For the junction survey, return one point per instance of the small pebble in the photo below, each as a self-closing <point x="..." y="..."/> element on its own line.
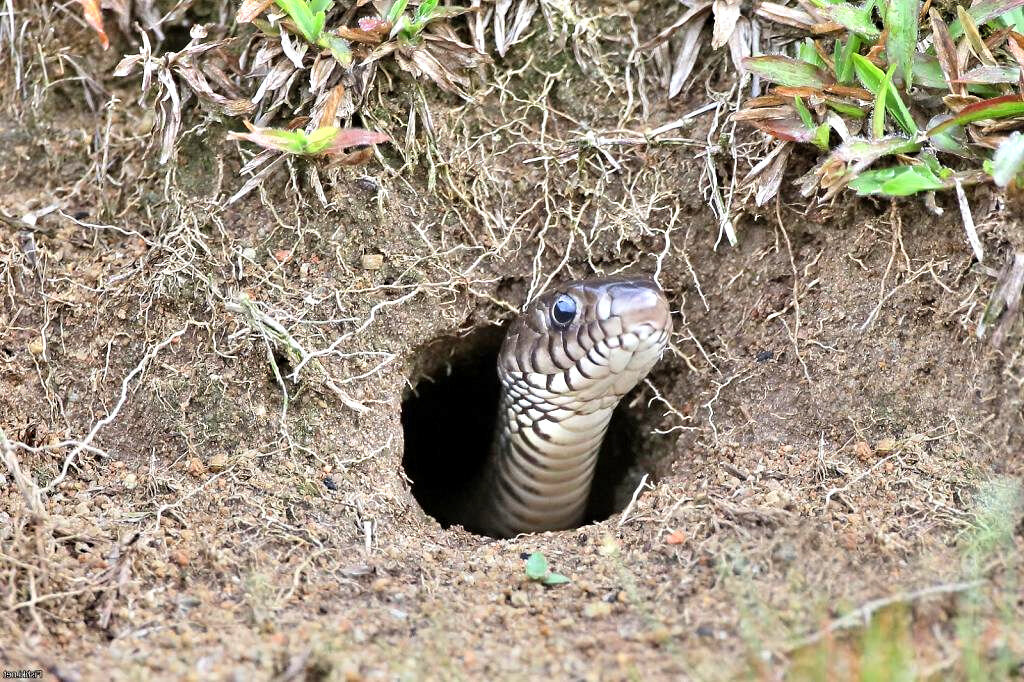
<point x="329" y="483"/>
<point x="372" y="261"/>
<point x="597" y="609"/>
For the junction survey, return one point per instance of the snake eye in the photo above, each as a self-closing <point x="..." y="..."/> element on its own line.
<point x="563" y="311"/>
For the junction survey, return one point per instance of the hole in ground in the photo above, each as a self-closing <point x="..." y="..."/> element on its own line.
<point x="449" y="417"/>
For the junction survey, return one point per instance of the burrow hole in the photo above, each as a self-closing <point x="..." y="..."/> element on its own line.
<point x="448" y="418"/>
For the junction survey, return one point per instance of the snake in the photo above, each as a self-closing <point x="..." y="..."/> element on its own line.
<point x="565" y="364"/>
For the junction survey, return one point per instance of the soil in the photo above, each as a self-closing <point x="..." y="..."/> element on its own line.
<point x="828" y="443"/>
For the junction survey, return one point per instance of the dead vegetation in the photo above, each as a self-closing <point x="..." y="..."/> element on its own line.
<point x="196" y="337"/>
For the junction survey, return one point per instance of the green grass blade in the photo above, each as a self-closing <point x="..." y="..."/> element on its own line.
<point x="807" y="53"/>
<point x="396" y="10"/>
<point x="804" y="112"/>
<point x="857" y="20"/>
<point x="878" y="117"/>
<point x="320" y="139"/>
<point x="300" y="13"/>
<point x="1009" y="106"/>
<point x="901" y="41"/>
<point x="787" y="71"/>
<point x="871" y="77"/>
<point x="844" y="65"/>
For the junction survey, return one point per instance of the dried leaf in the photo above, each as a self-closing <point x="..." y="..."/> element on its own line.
<point x="978" y="46"/>
<point x="790" y="16"/>
<point x="726" y="13"/>
<point x="741" y="44"/>
<point x="676" y="537"/>
<point x="992" y="75"/>
<point x="696" y="13"/>
<point x="689" y="49"/>
<point x="985" y="11"/>
<point x="946" y="52"/>
<point x="94" y="17"/>
<point x="251" y="9"/>
<point x="330" y="109"/>
<point x="355" y="137"/>
<point x="766" y="176"/>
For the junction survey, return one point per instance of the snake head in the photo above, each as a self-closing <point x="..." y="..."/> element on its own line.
<point x="586" y="343"/>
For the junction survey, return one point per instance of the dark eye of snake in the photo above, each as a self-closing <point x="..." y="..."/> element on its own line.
<point x="563" y="311"/>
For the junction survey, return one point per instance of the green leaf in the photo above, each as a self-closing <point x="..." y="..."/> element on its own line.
<point x="897" y="181"/>
<point x="320" y="5"/>
<point x="845" y="108"/>
<point x="806" y="52"/>
<point x="787" y="71"/>
<point x="878" y="117"/>
<point x="928" y="72"/>
<point x="300" y="13"/>
<point x="901" y="42"/>
<point x="339" y="47"/>
<point x="871" y="77"/>
<point x="844" y="65"/>
<point x="1008" y="162"/>
<point x="425" y="11"/>
<point x="1010" y="106"/>
<point x="857" y="20"/>
<point x="536" y="566"/>
<point x="803" y="111"/>
<point x="396" y="10"/>
<point x="555" y="579"/>
<point x="320" y="139"/>
<point x="821" y="134"/>
<point x="319" y="19"/>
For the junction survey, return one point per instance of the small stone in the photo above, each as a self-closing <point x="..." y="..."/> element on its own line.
<point x="598" y="609"/>
<point x="131" y="481"/>
<point x="862" y="450"/>
<point x="35" y="347"/>
<point x="218" y="462"/>
<point x="372" y="261"/>
<point x="772" y="498"/>
<point x="196" y="467"/>
<point x="659" y="635"/>
<point x="249" y="253"/>
<point x="519" y="599"/>
<point x="180" y="557"/>
<point x="885" y="446"/>
<point x="705" y="631"/>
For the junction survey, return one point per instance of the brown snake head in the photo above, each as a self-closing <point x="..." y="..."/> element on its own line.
<point x="587" y="343"/>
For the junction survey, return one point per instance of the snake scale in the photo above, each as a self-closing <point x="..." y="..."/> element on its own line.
<point x="565" y="364"/>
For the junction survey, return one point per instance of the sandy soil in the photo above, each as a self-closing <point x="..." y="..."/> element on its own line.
<point x="834" y="456"/>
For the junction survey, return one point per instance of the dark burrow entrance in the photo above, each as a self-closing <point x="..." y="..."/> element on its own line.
<point x="448" y="419"/>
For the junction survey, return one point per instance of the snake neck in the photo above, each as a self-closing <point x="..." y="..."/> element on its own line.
<point x="539" y="471"/>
